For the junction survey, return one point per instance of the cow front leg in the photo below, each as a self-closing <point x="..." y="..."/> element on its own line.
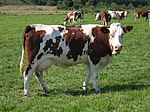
<point x="39" y="77"/>
<point x="88" y="74"/>
<point x="94" y="71"/>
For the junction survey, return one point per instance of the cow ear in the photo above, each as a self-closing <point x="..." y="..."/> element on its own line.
<point x="128" y="29"/>
<point x="105" y="30"/>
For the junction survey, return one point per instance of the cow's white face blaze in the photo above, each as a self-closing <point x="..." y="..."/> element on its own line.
<point x="97" y="16"/>
<point x="116" y="36"/>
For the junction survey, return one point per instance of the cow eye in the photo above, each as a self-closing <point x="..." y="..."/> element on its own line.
<point x="112" y="36"/>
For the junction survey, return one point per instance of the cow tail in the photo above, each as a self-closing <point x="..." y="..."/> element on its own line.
<point x="27" y="29"/>
<point x="22" y="56"/>
<point x="22" y="62"/>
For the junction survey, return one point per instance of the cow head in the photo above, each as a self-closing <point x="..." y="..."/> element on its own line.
<point x="98" y="16"/>
<point x="65" y="21"/>
<point x="116" y="36"/>
<point x="126" y="13"/>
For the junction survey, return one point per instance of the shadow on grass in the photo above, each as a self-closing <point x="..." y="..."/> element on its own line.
<point x="115" y="88"/>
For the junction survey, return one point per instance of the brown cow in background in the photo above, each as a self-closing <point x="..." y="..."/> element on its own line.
<point x="141" y="13"/>
<point x="73" y="16"/>
<point x="105" y="17"/>
<point x="149" y="18"/>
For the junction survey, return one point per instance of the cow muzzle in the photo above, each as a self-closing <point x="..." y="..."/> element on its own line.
<point x="117" y="49"/>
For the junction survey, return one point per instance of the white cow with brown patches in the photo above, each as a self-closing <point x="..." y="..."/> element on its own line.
<point x="149" y="18"/>
<point x="120" y="15"/>
<point x="74" y="16"/>
<point x="104" y="17"/>
<point x="92" y="45"/>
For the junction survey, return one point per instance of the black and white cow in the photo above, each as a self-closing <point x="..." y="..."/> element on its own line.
<point x="92" y="45"/>
<point x="120" y="15"/>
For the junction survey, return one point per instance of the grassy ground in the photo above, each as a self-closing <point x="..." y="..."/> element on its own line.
<point x="125" y="83"/>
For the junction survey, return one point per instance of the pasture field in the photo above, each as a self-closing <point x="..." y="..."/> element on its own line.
<point x="125" y="83"/>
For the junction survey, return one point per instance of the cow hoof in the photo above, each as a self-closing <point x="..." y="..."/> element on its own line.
<point x="25" y="96"/>
<point x="47" y="91"/>
<point x="94" y="91"/>
<point x="97" y="90"/>
<point x="84" y="88"/>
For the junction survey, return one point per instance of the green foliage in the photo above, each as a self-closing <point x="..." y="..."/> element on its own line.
<point x="68" y="3"/>
<point x="1" y="4"/>
<point x="114" y="6"/>
<point x="130" y="6"/>
<point x="84" y="4"/>
<point x="51" y="3"/>
<point x="78" y="4"/>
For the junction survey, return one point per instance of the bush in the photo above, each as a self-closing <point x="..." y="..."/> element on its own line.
<point x="68" y="3"/>
<point x="51" y="3"/>
<point x="130" y="6"/>
<point x="1" y="4"/>
<point x="114" y="6"/>
<point x="61" y="6"/>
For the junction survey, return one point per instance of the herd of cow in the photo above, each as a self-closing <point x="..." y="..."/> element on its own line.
<point x="91" y="44"/>
<point x="106" y="16"/>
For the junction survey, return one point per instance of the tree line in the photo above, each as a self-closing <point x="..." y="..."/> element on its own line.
<point x="93" y="4"/>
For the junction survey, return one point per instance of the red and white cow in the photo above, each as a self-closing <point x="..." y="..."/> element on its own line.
<point x="141" y="13"/>
<point x="149" y="18"/>
<point x="92" y="45"/>
<point x="118" y="14"/>
<point x="74" y="16"/>
<point x="104" y="17"/>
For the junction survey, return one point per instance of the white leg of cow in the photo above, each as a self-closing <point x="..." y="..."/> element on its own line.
<point x="106" y="23"/>
<point x="39" y="77"/>
<point x="27" y="78"/>
<point x="88" y="74"/>
<point x="94" y="71"/>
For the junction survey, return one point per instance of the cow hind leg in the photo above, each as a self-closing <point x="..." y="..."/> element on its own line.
<point x="39" y="77"/>
<point x="27" y="77"/>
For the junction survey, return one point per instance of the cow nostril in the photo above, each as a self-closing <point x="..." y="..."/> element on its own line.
<point x="118" y="47"/>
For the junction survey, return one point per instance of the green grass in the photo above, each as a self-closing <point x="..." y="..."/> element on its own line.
<point x="125" y="83"/>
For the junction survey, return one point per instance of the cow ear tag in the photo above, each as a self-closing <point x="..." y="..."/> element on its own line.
<point x="105" y="30"/>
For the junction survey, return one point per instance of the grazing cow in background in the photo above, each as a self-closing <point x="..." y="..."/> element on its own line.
<point x="120" y="15"/>
<point x="149" y="18"/>
<point x="113" y="14"/>
<point x="104" y="17"/>
<point x="74" y="16"/>
<point x="65" y="46"/>
<point x="141" y="13"/>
